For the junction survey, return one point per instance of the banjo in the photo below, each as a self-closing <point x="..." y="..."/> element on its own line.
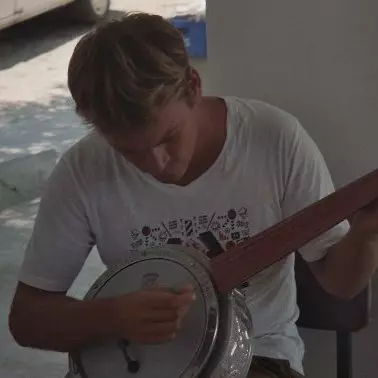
<point x="216" y="338"/>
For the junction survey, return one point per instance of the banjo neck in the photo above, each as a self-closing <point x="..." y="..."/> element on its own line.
<point x="237" y="265"/>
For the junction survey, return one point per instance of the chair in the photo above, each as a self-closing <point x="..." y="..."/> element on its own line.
<point x="321" y="311"/>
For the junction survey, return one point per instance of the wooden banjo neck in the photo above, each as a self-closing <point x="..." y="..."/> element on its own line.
<point x="235" y="266"/>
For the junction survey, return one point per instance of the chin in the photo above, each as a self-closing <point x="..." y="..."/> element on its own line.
<point x="170" y="178"/>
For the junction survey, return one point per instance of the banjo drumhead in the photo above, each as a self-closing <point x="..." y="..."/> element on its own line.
<point x="183" y="357"/>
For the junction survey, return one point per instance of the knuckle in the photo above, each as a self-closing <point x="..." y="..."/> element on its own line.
<point x="172" y="302"/>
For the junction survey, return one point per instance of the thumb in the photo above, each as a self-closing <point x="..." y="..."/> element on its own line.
<point x="183" y="289"/>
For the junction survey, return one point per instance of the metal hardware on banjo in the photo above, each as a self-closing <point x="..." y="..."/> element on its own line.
<point x="216" y="339"/>
<point x="210" y="319"/>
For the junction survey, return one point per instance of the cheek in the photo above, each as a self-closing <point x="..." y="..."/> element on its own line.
<point x="188" y="138"/>
<point x="175" y="152"/>
<point x="181" y="150"/>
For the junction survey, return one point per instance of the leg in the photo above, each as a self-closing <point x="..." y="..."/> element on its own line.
<point x="258" y="375"/>
<point x="344" y="354"/>
<point x="263" y="367"/>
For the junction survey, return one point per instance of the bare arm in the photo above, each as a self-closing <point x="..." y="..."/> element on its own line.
<point x="42" y="316"/>
<point x="54" y="321"/>
<point x="344" y="258"/>
<point x="349" y="264"/>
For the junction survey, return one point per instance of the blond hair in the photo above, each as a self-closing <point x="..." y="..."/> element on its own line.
<point x="124" y="69"/>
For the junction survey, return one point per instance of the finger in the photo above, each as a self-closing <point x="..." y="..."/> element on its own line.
<point x="183" y="311"/>
<point x="183" y="300"/>
<point x="161" y="300"/>
<point x="176" y="290"/>
<point x="189" y="288"/>
<point x="167" y="330"/>
<point x="170" y="301"/>
<point x="164" y="315"/>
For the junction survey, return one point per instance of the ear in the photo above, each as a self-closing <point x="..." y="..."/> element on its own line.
<point x="195" y="85"/>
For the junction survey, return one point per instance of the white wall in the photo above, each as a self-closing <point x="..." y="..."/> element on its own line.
<point x="316" y="59"/>
<point x="319" y="61"/>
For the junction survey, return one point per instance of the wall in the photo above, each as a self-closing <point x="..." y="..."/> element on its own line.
<point x="319" y="61"/>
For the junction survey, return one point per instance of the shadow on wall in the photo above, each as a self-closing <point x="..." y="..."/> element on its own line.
<point x="31" y="127"/>
<point x="40" y="35"/>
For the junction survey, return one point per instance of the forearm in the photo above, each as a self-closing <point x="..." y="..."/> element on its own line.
<point x="62" y="323"/>
<point x="349" y="265"/>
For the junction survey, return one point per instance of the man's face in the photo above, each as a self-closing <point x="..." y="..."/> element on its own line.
<point x="165" y="148"/>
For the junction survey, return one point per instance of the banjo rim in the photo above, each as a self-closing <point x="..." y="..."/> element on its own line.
<point x="199" y="268"/>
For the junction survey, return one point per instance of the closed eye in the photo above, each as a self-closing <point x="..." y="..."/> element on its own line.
<point x="168" y="138"/>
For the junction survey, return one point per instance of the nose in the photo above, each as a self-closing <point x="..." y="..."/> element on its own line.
<point x="158" y="159"/>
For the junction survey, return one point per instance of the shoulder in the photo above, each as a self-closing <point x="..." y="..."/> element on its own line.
<point x="265" y="124"/>
<point x="81" y="167"/>
<point x="262" y="117"/>
<point x="89" y="158"/>
<point x="91" y="150"/>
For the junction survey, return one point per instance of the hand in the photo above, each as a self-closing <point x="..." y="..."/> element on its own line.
<point x="152" y="316"/>
<point x="364" y="224"/>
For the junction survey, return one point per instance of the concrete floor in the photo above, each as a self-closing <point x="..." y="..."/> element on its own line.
<point x="35" y="115"/>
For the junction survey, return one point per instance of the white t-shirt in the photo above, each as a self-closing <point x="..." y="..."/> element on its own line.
<point x="268" y="169"/>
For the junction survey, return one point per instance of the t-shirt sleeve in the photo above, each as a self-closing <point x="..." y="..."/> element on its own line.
<point x="61" y="238"/>
<point x="308" y="180"/>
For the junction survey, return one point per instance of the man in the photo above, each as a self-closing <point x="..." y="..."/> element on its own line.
<point x="161" y="154"/>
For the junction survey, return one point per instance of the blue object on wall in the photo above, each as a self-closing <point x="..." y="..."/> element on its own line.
<point x="194" y="33"/>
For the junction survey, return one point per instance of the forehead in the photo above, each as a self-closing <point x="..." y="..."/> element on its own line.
<point x="164" y="121"/>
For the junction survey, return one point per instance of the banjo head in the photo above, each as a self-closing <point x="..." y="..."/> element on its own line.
<point x="185" y="356"/>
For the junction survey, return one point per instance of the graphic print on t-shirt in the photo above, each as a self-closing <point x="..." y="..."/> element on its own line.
<point x="229" y="228"/>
